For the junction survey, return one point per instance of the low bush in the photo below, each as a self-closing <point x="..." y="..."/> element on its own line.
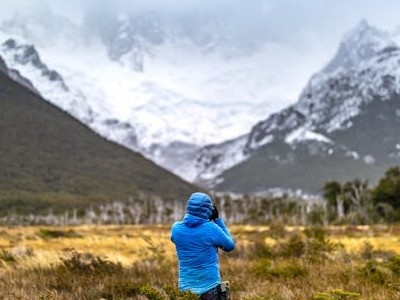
<point x="394" y="264"/>
<point x="259" y="249"/>
<point x="367" y="251"/>
<point x="318" y="244"/>
<point x="375" y="272"/>
<point x="294" y="247"/>
<point x="88" y="263"/>
<point x="7" y="256"/>
<point x="152" y="293"/>
<point x="54" y="233"/>
<point x="257" y="298"/>
<point x="289" y="269"/>
<point x="337" y="295"/>
<point x="122" y="289"/>
<point x="166" y="293"/>
<point x="277" y="230"/>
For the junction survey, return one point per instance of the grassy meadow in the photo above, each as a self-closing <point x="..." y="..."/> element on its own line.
<point x="138" y="262"/>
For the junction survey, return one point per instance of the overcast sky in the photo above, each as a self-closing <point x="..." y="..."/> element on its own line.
<point x="297" y="23"/>
<point x="308" y="14"/>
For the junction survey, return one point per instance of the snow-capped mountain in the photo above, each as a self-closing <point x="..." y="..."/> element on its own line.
<point x="336" y="94"/>
<point x="186" y="90"/>
<point x="361" y="83"/>
<point x="162" y="85"/>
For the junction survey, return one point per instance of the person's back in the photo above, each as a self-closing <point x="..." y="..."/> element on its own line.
<point x="197" y="239"/>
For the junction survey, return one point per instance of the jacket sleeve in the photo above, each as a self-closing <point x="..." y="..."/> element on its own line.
<point x="222" y="237"/>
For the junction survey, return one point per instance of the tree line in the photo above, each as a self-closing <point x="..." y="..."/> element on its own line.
<point x="351" y="202"/>
<point x="355" y="202"/>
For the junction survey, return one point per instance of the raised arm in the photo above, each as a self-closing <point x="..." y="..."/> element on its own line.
<point x="222" y="237"/>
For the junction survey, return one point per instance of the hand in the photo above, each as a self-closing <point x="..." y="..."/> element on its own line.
<point x="215" y="213"/>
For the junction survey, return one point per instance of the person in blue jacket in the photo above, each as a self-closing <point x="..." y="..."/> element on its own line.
<point x="197" y="239"/>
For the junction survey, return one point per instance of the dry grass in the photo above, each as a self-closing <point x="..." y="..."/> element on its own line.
<point x="138" y="262"/>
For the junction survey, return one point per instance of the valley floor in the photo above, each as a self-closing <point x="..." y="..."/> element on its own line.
<point x="138" y="262"/>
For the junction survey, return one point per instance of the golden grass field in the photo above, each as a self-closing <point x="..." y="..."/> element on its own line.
<point x="138" y="262"/>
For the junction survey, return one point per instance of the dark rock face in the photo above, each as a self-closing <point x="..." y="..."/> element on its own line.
<point x="16" y="76"/>
<point x="3" y="67"/>
<point x="27" y="54"/>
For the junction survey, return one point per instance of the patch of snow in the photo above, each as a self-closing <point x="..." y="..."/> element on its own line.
<point x="369" y="159"/>
<point x="353" y="154"/>
<point x="303" y="134"/>
<point x="213" y="160"/>
<point x="264" y="141"/>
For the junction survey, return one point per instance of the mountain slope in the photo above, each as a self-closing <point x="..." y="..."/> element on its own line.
<point x="48" y="159"/>
<point x="365" y="150"/>
<point x="344" y="125"/>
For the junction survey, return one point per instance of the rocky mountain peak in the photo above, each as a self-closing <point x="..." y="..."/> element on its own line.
<point x="358" y="45"/>
<point x="133" y="35"/>
<point x="16" y="76"/>
<point x="27" y="54"/>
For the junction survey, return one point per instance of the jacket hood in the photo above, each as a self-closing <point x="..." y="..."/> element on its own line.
<point x="199" y="205"/>
<point x="192" y="221"/>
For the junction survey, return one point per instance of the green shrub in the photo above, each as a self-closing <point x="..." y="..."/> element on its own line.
<point x="7" y="256"/>
<point x="318" y="245"/>
<point x="336" y="295"/>
<point x="375" y="272"/>
<point x="277" y="230"/>
<point x="153" y="252"/>
<point x="367" y="251"/>
<point x="259" y="249"/>
<point x="295" y="247"/>
<point x="290" y="271"/>
<point x="257" y="298"/>
<point x="394" y="264"/>
<point x="53" y="234"/>
<point x="152" y="293"/>
<point x="172" y="292"/>
<point x="265" y="269"/>
<point x="89" y="263"/>
<point x="261" y="265"/>
<point x="123" y="289"/>
<point x="49" y="295"/>
<point x="187" y="296"/>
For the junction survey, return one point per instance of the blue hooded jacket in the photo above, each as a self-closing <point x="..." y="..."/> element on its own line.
<point x="197" y="240"/>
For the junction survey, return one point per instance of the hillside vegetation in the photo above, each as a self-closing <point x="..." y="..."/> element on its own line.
<point x="48" y="159"/>
<point x="139" y="262"/>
